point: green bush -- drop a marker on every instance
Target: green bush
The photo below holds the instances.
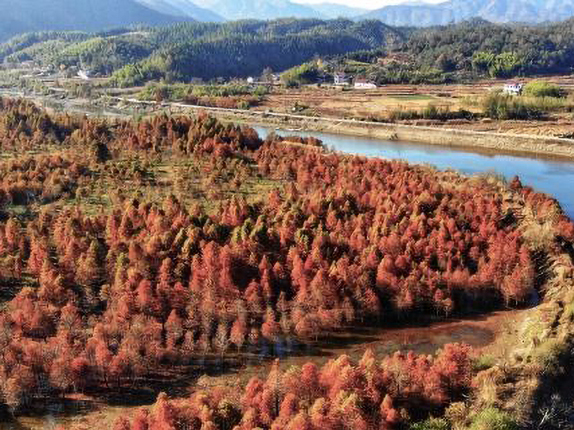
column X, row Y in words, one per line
column 430, row 112
column 493, row 419
column 483, row 362
column 307, row 73
column 542, row 89
column 431, row 424
column 503, row 65
column 505, row 107
column 180, row 92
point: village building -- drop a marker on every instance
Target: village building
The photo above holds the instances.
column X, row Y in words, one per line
column 341, row 79
column 364, row 84
column 513, row 88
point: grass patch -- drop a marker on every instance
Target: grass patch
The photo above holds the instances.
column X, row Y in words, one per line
column 542, row 89
column 431, row 424
column 413, row 97
column 493, row 419
column 483, row 362
column 430, row 112
column 548, row 355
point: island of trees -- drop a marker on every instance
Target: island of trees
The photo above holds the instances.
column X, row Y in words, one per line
column 131, row 249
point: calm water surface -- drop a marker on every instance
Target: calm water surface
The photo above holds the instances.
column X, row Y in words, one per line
column 551, row 176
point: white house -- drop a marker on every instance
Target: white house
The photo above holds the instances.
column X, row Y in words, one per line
column 363, row 84
column 84, row 74
column 513, row 88
column 340, row 79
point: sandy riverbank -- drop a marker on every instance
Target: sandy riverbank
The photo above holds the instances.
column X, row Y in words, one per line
column 485, row 141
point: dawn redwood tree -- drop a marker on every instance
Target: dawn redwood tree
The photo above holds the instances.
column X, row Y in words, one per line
column 153, row 282
column 238, row 333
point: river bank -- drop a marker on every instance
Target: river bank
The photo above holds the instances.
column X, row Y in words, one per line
column 484, row 141
column 447, row 137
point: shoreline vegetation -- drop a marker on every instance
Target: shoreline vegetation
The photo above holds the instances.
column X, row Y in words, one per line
column 481, row 140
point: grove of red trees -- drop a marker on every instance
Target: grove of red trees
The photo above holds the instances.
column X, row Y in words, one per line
column 368, row 395
column 104, row 299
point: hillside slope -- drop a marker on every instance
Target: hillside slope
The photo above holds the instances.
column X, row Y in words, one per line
column 87, row 15
column 183, row 8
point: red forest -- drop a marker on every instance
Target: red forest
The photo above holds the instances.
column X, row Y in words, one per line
column 369, row 395
column 103, row 299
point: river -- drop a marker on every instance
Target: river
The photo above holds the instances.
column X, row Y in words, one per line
column 548, row 175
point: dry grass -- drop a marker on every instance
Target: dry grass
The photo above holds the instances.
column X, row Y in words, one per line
column 488, row 384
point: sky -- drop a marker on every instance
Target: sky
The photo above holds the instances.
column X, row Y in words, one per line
column 368, row 4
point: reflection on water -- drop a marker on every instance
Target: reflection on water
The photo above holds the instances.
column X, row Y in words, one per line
column 551, row 176
column 478, row 332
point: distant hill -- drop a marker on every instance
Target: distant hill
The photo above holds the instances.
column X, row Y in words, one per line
column 23, row 16
column 335, row 10
column 200, row 50
column 501, row 11
column 260, row 9
column 412, row 15
column 183, row 8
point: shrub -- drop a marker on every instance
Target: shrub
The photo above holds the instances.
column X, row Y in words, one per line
column 542, row 89
column 549, row 355
column 430, row 112
column 493, row 419
column 483, row 362
column 432, row 424
column 306, row 73
column 505, row 107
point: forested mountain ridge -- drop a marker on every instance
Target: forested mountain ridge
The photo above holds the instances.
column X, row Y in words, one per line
column 204, row 50
column 25, row 16
column 467, row 51
column 181, row 52
column 495, row 49
column 244, row 48
column 528, row 11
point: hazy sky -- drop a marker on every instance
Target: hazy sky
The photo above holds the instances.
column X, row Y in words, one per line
column 368, row 4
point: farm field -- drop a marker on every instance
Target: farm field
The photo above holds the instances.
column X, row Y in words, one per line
column 385, row 101
column 449, row 106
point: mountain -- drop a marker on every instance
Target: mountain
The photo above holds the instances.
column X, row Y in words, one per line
column 23, row 16
column 412, row 15
column 182, row 8
column 260, row 9
column 335, row 10
column 502, row 11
